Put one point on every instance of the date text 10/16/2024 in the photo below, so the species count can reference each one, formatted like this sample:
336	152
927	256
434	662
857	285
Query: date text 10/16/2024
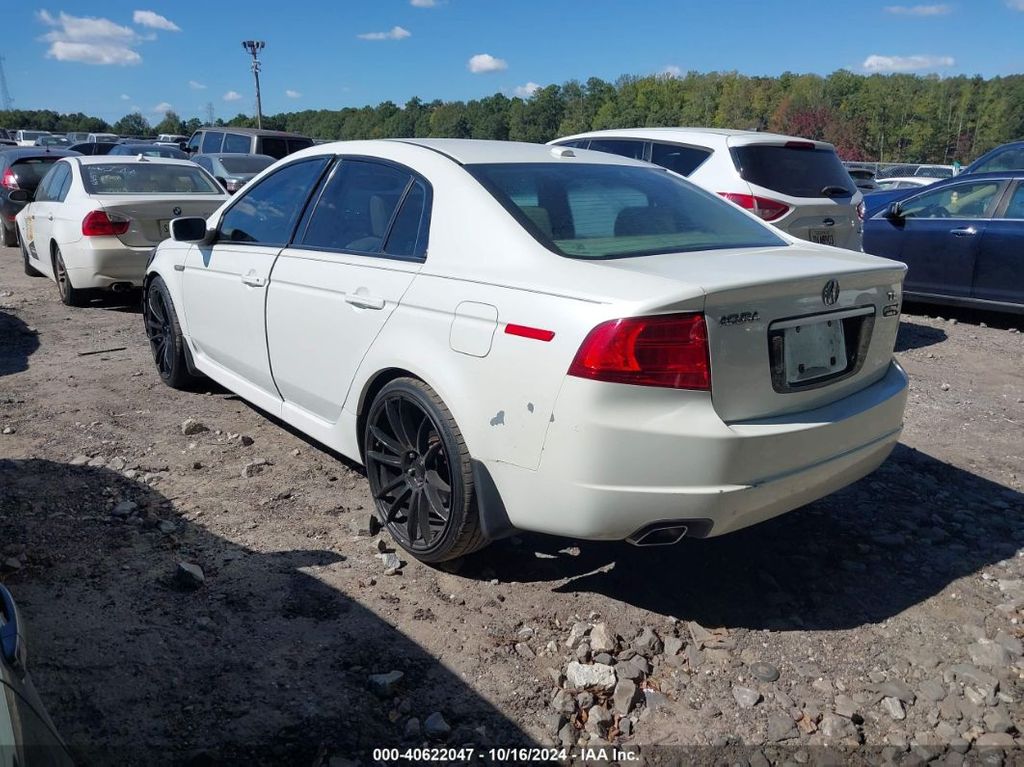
499	754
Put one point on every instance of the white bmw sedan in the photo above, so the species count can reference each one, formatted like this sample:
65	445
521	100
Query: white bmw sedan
94	220
513	336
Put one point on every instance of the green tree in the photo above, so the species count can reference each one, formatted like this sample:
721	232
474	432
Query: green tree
170	124
133	124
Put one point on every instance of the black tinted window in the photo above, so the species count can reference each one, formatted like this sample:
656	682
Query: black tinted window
30	171
212	141
50	185
193	143
408	237
267	213
250	164
236	143
275	147
297	144
684	160
634	149
796	169
356	207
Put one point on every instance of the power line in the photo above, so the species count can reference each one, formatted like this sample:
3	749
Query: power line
5	94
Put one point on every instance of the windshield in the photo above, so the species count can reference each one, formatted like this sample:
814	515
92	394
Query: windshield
32	135
147	178
797	171
610	211
243	164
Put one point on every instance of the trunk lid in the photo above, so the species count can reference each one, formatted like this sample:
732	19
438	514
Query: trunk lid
768	312
149	216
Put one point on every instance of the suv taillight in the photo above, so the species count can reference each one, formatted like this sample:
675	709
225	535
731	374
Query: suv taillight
762	207
860	210
9	181
98	224
668	350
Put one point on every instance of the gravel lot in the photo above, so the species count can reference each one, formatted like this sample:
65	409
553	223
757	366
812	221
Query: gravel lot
885	618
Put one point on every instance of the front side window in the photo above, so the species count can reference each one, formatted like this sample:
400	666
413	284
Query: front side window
354	212
147	178
610	211
236	143
968	200
212	141
194	142
266	214
683	160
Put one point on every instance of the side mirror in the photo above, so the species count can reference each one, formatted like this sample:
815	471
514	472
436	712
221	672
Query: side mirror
20	195
189	229
894	211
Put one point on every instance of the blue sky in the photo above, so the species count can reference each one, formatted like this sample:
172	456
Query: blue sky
113	57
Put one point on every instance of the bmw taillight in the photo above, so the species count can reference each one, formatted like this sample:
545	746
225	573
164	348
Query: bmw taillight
762	207
667	350
9	181
99	224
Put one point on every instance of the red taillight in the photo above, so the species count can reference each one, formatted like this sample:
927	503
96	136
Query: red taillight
799	145
860	210
99	224
9	181
669	350
762	207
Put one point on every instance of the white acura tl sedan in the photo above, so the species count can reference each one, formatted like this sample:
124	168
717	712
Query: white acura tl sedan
93	220
513	336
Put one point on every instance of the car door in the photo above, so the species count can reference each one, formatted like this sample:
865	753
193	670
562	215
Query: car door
224	284
940	230
999	269
39	217
354	256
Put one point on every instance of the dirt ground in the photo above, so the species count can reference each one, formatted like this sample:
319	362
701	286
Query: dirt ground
890	612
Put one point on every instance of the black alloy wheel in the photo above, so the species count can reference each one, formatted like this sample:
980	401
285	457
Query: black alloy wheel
420	473
164	334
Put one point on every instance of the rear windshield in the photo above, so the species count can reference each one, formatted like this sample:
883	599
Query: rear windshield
609	211
244	164
144	178
31	170
31	135
794	171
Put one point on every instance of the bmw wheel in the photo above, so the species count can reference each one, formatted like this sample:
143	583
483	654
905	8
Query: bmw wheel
420	473
69	294
165	338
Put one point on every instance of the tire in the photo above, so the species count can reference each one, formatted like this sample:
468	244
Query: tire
10	236
165	338
414	450
69	294
30	270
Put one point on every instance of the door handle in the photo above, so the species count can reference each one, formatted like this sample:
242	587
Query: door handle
364	302
967	231
254	280
49	217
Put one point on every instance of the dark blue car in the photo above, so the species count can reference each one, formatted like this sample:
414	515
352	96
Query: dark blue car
962	239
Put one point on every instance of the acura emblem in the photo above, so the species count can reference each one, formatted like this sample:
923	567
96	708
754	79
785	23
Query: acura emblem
176	211
830	293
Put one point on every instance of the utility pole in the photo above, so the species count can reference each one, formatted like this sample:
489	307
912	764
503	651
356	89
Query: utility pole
254	47
209	113
5	95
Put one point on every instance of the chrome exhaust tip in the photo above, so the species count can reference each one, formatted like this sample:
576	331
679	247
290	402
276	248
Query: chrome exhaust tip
121	287
659	535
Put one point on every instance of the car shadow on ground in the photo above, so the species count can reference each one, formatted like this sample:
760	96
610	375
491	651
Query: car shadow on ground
262	663
968	316
915	336
859	556
17	344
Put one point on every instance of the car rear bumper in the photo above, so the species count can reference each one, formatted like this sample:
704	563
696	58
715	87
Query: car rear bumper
618	459
100	262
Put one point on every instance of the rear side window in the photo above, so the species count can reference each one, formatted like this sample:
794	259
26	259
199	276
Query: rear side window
298	144
212	141
355	211
30	171
611	211
408	237
683	160
1008	159
236	143
796	169
623	147
266	214
49	187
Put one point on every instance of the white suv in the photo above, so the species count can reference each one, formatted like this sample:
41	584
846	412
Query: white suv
798	185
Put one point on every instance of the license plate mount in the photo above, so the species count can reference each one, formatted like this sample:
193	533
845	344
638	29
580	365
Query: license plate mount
823	236
165	228
813	350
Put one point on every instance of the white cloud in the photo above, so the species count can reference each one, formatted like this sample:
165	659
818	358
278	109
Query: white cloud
1016	5
232	96
125	97
919	10
196	86
876	63
423	3
525	91
89	40
162	107
292	94
672	71
395	33
154	21
485	62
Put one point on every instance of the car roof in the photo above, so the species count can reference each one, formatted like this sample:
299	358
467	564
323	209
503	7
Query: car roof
250	131
37	151
684	133
221	155
481	151
124	159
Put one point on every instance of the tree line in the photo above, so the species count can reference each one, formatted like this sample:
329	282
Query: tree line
883	118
